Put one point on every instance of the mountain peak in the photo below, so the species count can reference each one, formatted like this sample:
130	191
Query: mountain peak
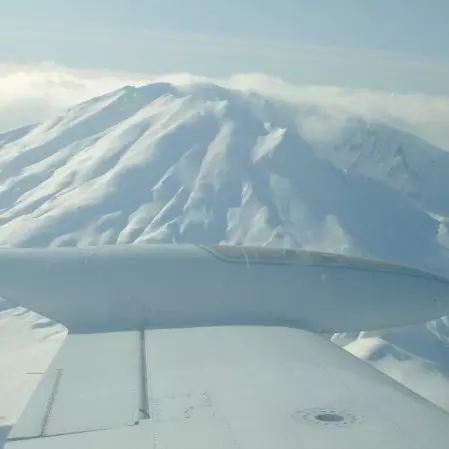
208	164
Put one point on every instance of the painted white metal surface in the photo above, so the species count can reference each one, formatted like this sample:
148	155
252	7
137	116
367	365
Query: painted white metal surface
186	384
239	388
175	286
93	384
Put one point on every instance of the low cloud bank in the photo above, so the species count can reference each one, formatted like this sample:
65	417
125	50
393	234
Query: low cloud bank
32	93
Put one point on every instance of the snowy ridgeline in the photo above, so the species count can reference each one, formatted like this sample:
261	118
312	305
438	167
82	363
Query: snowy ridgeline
205	164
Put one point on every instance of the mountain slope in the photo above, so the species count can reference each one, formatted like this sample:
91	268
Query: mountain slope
200	163
400	160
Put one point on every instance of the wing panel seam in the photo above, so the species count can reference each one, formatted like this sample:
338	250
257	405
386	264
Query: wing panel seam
50	403
144	407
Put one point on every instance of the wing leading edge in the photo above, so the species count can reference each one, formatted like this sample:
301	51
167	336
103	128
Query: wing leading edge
129	287
222	387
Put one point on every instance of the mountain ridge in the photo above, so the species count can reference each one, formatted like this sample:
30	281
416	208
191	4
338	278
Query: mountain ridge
149	131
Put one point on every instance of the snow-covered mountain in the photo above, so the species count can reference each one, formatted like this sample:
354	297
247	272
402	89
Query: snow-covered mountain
201	163
402	161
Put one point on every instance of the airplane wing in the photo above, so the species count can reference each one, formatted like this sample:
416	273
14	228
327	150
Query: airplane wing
223	388
193	347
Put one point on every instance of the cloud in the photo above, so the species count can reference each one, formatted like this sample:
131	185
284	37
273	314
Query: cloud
32	93
424	115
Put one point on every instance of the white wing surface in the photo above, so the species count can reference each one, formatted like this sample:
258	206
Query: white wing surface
222	388
231	360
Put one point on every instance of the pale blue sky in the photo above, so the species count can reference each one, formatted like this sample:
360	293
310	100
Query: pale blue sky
398	45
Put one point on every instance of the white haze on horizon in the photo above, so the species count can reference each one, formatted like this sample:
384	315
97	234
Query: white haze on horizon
32	93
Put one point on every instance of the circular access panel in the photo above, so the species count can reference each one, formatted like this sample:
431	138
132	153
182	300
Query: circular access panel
327	417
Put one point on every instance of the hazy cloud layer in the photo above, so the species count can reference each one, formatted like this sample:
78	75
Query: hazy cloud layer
31	93
424	115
